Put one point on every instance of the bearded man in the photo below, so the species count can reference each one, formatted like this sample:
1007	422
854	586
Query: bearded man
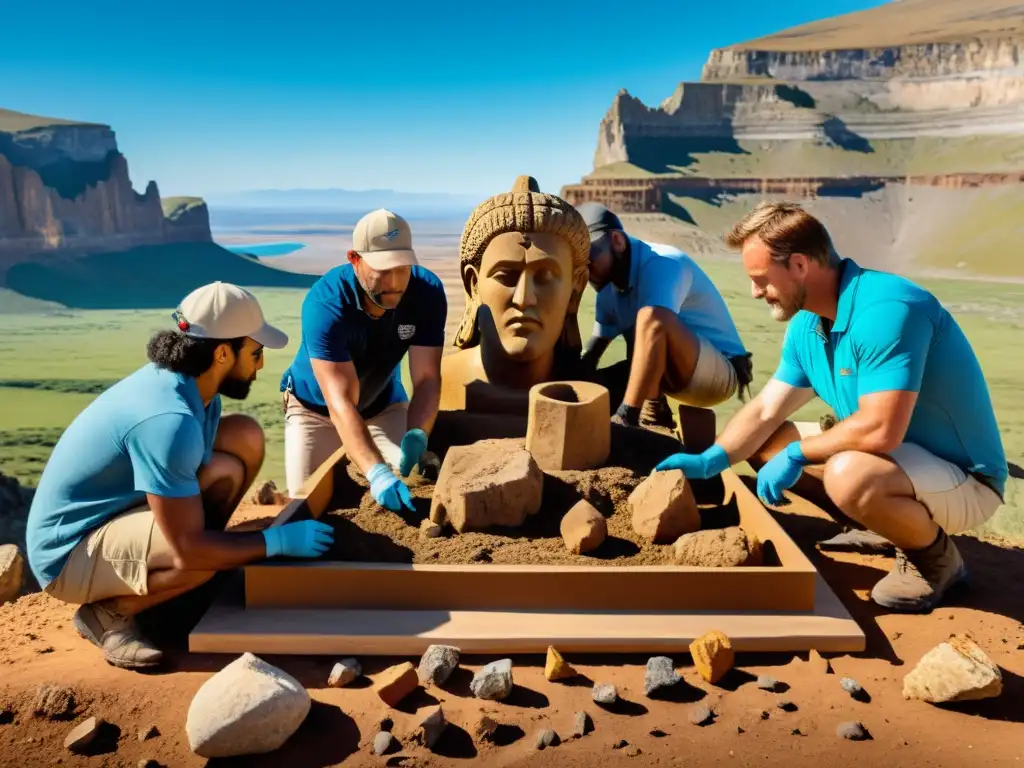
344	387
916	452
132	504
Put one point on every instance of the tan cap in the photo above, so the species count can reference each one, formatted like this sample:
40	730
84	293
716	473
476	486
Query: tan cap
384	239
225	311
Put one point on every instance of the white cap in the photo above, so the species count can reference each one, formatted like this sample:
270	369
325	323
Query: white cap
384	239
225	311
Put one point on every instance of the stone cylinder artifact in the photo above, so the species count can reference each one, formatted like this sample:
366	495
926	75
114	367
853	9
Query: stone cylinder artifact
569	425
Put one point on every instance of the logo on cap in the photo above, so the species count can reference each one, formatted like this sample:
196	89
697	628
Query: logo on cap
392	234
183	324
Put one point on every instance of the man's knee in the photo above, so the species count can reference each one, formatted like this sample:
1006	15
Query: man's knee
242	436
858	483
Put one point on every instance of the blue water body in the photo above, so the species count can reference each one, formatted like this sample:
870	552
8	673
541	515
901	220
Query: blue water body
265	249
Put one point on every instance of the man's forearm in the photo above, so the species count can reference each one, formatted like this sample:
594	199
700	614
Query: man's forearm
426	396
219	550
354	435
860	432
748	430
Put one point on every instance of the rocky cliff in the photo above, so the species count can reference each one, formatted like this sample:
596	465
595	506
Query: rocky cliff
65	188
912	94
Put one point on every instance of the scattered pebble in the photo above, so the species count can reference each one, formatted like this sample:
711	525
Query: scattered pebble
605	693
53	701
796	732
580	722
144	763
658	733
700	715
382	742
481	555
431	727
148	733
853	688
620	744
546	738
633	751
494	681
765	714
429	529
766	683
397	682
786	705
345	672
851	731
739	729
81	735
660	676
437	664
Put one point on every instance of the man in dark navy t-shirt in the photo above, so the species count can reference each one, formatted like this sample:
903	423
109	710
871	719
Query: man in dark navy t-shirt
344	387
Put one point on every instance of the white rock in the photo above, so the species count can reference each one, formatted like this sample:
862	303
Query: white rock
248	708
956	670
12	572
345	672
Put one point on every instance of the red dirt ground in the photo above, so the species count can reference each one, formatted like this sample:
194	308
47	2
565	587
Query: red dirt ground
38	645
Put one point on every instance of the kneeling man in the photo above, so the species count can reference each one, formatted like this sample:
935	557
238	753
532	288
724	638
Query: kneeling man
132	504
916	454
681	340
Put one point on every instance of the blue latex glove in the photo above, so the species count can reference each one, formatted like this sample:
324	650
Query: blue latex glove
780	473
697	466
388	490
413	445
308	538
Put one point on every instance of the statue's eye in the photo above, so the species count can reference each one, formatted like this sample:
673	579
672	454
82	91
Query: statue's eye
508	277
544	276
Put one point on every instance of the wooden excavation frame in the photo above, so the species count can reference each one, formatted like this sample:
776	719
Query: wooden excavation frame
334	607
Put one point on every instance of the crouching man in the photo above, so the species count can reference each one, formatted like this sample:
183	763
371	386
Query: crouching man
916	454
132	504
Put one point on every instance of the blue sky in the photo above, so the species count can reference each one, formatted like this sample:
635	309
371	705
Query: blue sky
448	96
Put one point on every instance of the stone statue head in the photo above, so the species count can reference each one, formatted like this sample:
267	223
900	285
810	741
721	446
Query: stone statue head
524	257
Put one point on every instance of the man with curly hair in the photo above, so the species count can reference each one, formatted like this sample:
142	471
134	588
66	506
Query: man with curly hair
132	504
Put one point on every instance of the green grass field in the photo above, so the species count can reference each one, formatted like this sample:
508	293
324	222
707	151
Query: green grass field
54	364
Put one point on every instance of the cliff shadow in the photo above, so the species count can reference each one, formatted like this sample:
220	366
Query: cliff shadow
656	153
148	277
841	136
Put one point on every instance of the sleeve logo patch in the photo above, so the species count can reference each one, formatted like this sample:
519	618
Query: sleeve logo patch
406	332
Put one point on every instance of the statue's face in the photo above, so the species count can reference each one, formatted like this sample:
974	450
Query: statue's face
524	286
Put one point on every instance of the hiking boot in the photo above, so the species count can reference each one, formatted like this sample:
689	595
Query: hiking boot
857	540
657	413
117	636
921	577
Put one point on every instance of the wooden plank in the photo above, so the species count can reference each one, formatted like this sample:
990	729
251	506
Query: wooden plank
228	628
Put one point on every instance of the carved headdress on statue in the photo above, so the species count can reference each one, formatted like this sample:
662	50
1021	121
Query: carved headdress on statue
524	209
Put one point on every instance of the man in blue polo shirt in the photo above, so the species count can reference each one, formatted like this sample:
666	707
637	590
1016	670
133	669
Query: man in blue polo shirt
681	340
344	387
132	505
916	454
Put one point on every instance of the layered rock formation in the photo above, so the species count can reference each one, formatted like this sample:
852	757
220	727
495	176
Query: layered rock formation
64	187
877	108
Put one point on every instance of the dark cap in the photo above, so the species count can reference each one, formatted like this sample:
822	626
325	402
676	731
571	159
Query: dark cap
599	219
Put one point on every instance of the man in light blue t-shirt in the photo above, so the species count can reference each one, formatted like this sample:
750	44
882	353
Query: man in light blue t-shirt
132	504
916	453
681	340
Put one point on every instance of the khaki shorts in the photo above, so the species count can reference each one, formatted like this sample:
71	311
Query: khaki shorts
112	561
310	438
956	501
714	379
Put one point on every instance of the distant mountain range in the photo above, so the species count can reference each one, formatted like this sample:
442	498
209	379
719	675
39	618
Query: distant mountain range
347	200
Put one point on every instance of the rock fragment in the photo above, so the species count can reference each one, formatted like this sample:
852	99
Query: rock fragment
12	572
851	731
955	670
397	682
717	548
583	528
699	714
82	735
437	664
382	742
580	725
853	688
485	729
249	707
429	529
491	483
345	672
53	701
633	751
766	682
555	667
493	681
663	507
148	733
712	655
546	738
431	727
786	705
604	693
660	677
